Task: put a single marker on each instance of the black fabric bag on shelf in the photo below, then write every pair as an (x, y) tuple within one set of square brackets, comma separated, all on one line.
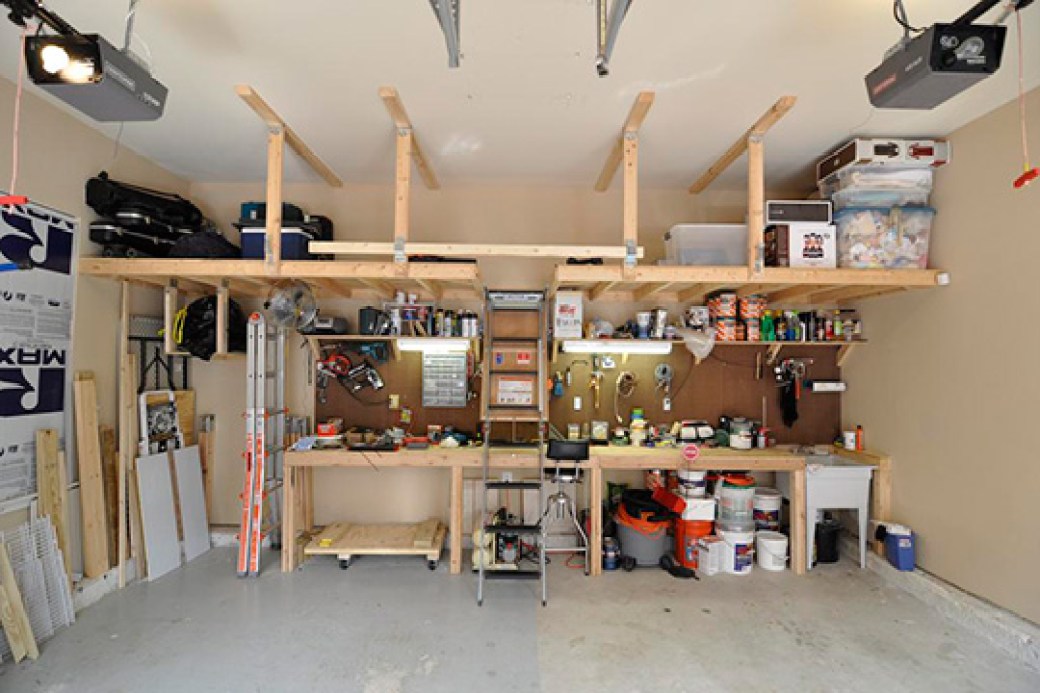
[(208, 243), (197, 332)]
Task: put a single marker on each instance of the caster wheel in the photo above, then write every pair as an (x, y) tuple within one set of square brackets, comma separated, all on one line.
[(432, 565), (628, 564), (344, 563)]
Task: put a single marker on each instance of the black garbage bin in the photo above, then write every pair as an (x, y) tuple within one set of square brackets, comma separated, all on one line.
[(827, 541)]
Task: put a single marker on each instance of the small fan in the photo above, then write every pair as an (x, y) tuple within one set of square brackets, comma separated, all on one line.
[(291, 305)]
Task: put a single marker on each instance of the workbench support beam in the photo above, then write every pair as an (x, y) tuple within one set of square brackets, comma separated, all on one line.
[(222, 319), (455, 526)]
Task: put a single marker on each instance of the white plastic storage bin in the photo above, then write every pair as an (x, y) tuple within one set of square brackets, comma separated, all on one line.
[(706, 244), (883, 238), (877, 178)]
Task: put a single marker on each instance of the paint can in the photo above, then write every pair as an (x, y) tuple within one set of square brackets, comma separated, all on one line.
[(771, 548), (611, 554), (693, 483), (739, 557), (767, 508)]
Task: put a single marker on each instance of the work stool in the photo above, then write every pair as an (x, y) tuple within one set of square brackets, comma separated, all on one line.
[(566, 456)]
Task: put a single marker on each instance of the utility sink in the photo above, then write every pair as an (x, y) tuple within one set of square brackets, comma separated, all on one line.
[(833, 482)]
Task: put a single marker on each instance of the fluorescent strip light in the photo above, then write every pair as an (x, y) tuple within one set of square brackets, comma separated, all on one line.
[(616, 346), (433, 345)]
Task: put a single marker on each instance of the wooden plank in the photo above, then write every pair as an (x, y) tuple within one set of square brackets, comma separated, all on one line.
[(222, 319), (192, 499), (799, 542), (110, 473), (630, 203), (184, 400), (49, 486), (207, 457), (636, 115), (289, 511), (425, 532), (138, 551), (792, 294), (395, 107), (474, 249), (432, 287), (15, 621), (158, 520), (599, 289), (171, 299), (272, 120), (699, 292), (91, 477), (873, 293), (761, 126), (124, 415), (403, 187), (333, 287), (456, 520), (596, 507), (649, 291), (756, 176), (273, 220), (844, 351)]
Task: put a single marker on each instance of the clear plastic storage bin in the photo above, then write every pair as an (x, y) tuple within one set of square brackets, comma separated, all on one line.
[(861, 197), (884, 238), (877, 178), (706, 244)]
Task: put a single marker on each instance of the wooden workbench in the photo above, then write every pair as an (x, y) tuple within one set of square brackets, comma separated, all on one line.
[(299, 468)]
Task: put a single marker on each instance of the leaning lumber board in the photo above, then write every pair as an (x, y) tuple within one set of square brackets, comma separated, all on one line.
[(12, 612), (91, 476), (425, 532), (185, 400), (110, 472), (49, 477)]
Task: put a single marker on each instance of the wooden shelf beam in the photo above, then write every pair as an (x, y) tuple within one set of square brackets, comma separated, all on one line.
[(770, 118), (473, 249), (399, 116), (640, 108), (275, 122)]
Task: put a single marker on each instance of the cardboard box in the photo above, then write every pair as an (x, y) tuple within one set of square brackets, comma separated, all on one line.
[(801, 245), (567, 315), (711, 552), (699, 509), (515, 390), (514, 358)]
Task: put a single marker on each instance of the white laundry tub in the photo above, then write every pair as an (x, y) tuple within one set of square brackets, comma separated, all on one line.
[(833, 482)]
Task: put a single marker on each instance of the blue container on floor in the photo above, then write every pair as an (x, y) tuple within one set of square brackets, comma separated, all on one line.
[(900, 550)]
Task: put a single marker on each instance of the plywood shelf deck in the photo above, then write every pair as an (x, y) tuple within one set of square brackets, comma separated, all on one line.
[(342, 279), (783, 286)]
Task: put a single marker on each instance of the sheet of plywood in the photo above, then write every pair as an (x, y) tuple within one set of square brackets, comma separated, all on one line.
[(91, 477), (425, 533), (12, 612), (381, 540), (110, 472), (192, 497), (158, 521), (185, 400)]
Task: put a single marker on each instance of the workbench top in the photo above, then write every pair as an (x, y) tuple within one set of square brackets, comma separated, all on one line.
[(605, 457)]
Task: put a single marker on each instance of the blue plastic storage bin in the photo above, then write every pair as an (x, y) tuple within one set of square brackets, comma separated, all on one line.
[(294, 242), (900, 550)]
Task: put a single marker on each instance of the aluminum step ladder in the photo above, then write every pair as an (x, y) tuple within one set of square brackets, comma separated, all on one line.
[(265, 443), (499, 307)]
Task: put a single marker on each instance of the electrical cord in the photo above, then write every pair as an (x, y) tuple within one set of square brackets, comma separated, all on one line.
[(624, 388), (899, 12), (17, 114)]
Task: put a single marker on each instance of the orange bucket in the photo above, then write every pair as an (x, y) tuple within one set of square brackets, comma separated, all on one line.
[(687, 533)]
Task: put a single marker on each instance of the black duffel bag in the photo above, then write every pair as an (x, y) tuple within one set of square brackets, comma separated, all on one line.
[(196, 327), (109, 198)]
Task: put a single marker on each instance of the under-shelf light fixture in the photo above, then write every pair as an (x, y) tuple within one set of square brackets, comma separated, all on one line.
[(616, 346), (433, 345)]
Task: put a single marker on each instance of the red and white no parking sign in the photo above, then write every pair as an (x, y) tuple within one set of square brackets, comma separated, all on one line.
[(691, 452)]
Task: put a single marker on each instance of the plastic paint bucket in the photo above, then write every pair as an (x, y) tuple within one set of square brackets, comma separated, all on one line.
[(740, 556), (736, 500), (767, 508), (693, 483), (687, 534), (771, 548)]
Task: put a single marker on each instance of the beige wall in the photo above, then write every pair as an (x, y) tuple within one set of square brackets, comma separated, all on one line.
[(58, 155), (949, 384), (491, 213)]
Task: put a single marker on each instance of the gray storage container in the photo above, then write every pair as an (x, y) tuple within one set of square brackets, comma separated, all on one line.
[(645, 549)]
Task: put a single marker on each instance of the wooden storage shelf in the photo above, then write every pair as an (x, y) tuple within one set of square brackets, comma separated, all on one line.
[(343, 279), (315, 340), (844, 348), (782, 285)]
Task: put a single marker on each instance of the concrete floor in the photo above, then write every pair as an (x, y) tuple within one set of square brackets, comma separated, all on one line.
[(388, 624)]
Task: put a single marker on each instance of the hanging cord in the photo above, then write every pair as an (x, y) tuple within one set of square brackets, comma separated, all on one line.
[(626, 385), (899, 12), (1029, 174)]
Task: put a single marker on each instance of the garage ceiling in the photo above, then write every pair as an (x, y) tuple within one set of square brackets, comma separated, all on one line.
[(526, 106)]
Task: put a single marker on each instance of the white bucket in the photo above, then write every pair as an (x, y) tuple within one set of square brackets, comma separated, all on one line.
[(740, 556), (736, 503), (771, 548), (767, 508), (693, 483)]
